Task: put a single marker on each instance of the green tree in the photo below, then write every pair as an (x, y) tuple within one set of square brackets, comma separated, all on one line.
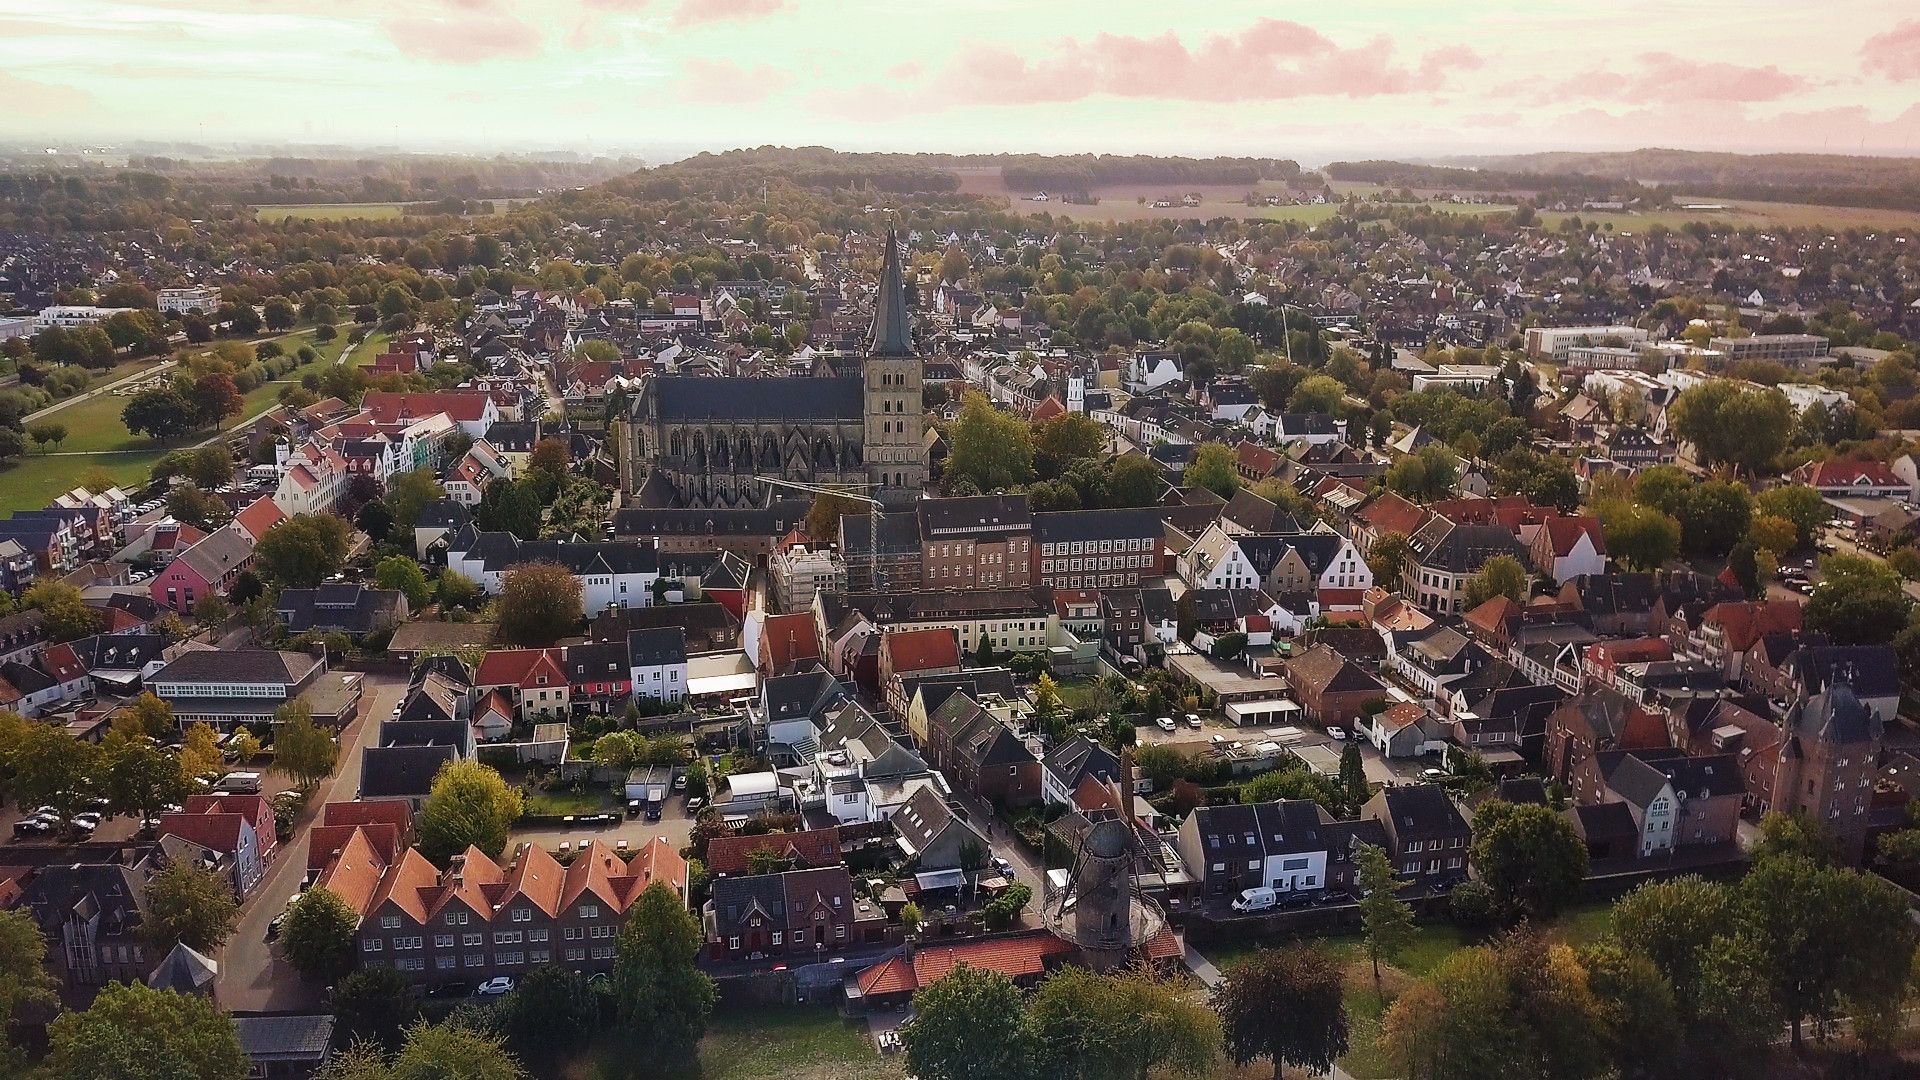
[(1797, 503), (1672, 923), (199, 752), (318, 934), (1425, 475), (1530, 857), (453, 1051), (1715, 516), (1772, 533), (1295, 783), (402, 573), (1501, 575), (1860, 601), (972, 1025), (24, 979), (48, 435), (1123, 1025), (1732, 424), (1353, 775), (303, 550), (408, 493), (1388, 559), (1285, 1005), (1819, 935), (164, 413), (469, 805), (1635, 1006), (1317, 394), (188, 904), (52, 768), (303, 750), (1520, 1007), (1064, 439), (141, 778), (1388, 920), (657, 981), (1639, 537), (133, 1032), (1134, 480), (539, 603), (64, 612), (454, 589), (547, 1015), (376, 1005), (1212, 468), (991, 450)]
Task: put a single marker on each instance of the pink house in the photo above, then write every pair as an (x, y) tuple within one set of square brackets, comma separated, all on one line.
[(239, 827), (205, 569)]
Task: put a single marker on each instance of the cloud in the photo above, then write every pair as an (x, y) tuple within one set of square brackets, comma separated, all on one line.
[(1896, 53), (457, 40), (720, 82), (1269, 59), (1661, 78), (35, 103), (696, 12)]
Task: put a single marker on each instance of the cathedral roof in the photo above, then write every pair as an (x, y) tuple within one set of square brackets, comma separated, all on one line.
[(892, 333), (684, 398)]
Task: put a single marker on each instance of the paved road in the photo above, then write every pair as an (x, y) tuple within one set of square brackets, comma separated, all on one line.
[(254, 977)]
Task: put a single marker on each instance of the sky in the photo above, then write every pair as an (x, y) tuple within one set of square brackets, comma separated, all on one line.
[(663, 77)]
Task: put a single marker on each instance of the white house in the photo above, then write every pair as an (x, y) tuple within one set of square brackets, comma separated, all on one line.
[(613, 574), (1149, 370), (658, 659)]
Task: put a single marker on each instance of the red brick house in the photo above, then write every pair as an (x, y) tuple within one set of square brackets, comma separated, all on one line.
[(1331, 689)]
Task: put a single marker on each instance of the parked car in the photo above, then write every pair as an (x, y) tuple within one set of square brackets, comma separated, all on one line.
[(1003, 867), (1165, 723), (1337, 734), (1193, 721), (694, 804), (30, 828), (1433, 774), (499, 984), (1256, 900)]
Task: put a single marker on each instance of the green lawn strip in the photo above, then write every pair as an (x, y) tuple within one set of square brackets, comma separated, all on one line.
[(795, 1043), (330, 211), (561, 803), (369, 350), (32, 482)]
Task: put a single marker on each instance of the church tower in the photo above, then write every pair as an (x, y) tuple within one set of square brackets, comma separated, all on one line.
[(896, 449)]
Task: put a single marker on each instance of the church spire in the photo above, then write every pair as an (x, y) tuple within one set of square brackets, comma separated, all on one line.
[(892, 333)]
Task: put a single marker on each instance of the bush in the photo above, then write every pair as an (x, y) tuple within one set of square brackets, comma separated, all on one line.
[(1000, 914), (1471, 905)]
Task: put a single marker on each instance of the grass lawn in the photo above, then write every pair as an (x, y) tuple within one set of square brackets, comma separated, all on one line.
[(564, 801), (367, 351), (331, 211), (33, 481), (772, 1043), (1433, 942)]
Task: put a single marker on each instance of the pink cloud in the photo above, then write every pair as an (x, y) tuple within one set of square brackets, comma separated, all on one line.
[(1271, 58), (695, 12), (711, 82), (1663, 78), (910, 69), (1896, 53), (455, 40)]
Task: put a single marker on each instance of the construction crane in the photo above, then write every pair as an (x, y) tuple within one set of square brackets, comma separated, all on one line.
[(873, 517)]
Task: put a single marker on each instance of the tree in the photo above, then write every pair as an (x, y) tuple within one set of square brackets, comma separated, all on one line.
[(164, 413), (1731, 424), (1388, 558), (1134, 481), (455, 589), (64, 612), (823, 517), (1212, 468), (1672, 923), (470, 804), (1860, 601), (1818, 935), (1294, 783), (1520, 1007), (409, 493), (303, 550), (539, 603), (1424, 475), (1530, 857), (141, 778), (453, 1050), (547, 1015), (303, 750), (1122, 1025), (1501, 575), (513, 506), (1388, 920), (657, 981), (377, 1005), (991, 450), (318, 934), (188, 503), (209, 466), (53, 768), (1772, 533), (550, 456), (971, 1025), (1803, 506), (199, 752), (1715, 515), (1905, 561), (1641, 1032), (279, 314), (403, 574), (188, 904), (1061, 440), (1353, 775), (24, 979), (147, 715), (48, 435), (133, 1032), (216, 397), (1640, 537), (1285, 1005)]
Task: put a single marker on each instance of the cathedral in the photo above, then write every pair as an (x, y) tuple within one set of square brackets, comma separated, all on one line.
[(707, 439)]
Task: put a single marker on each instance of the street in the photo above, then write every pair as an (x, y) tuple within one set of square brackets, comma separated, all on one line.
[(253, 976)]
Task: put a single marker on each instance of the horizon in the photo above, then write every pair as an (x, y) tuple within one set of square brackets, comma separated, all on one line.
[(664, 79)]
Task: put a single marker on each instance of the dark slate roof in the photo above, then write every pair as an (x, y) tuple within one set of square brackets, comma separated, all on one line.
[(1603, 822), (514, 436), (770, 521), (985, 516), (892, 333), (119, 652), (743, 400), (736, 898), (401, 771), (1065, 526), (237, 666), (443, 514), (284, 1038), (657, 646), (596, 661), (1079, 757), (1463, 548), (809, 693), (350, 608), (1423, 810), (1257, 515), (1835, 715), (1872, 670), (114, 893)]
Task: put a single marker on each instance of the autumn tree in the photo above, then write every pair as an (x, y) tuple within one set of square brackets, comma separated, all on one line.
[(991, 450), (64, 612), (188, 904), (303, 750), (470, 804), (303, 550), (539, 603), (1288, 1006)]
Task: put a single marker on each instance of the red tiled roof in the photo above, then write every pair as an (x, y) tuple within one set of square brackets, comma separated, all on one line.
[(814, 847), (460, 405), (325, 842), (1256, 459), (259, 516), (921, 650), (519, 668), (357, 871), (1565, 531), (1832, 474), (1016, 957), (395, 812), (1744, 621), (1391, 513), (786, 640)]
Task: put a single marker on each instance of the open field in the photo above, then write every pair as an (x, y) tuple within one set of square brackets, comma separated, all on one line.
[(370, 349), (1433, 942), (376, 211), (97, 437), (772, 1043)]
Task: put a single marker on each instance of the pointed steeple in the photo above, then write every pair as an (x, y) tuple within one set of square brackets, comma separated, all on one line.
[(892, 333)]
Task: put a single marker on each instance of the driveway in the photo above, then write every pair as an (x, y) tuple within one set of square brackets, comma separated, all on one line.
[(254, 977)]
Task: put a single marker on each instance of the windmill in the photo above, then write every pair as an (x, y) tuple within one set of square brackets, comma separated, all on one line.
[(1099, 906)]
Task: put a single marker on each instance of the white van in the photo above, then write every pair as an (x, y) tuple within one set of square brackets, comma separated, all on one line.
[(239, 783), (1256, 900)]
